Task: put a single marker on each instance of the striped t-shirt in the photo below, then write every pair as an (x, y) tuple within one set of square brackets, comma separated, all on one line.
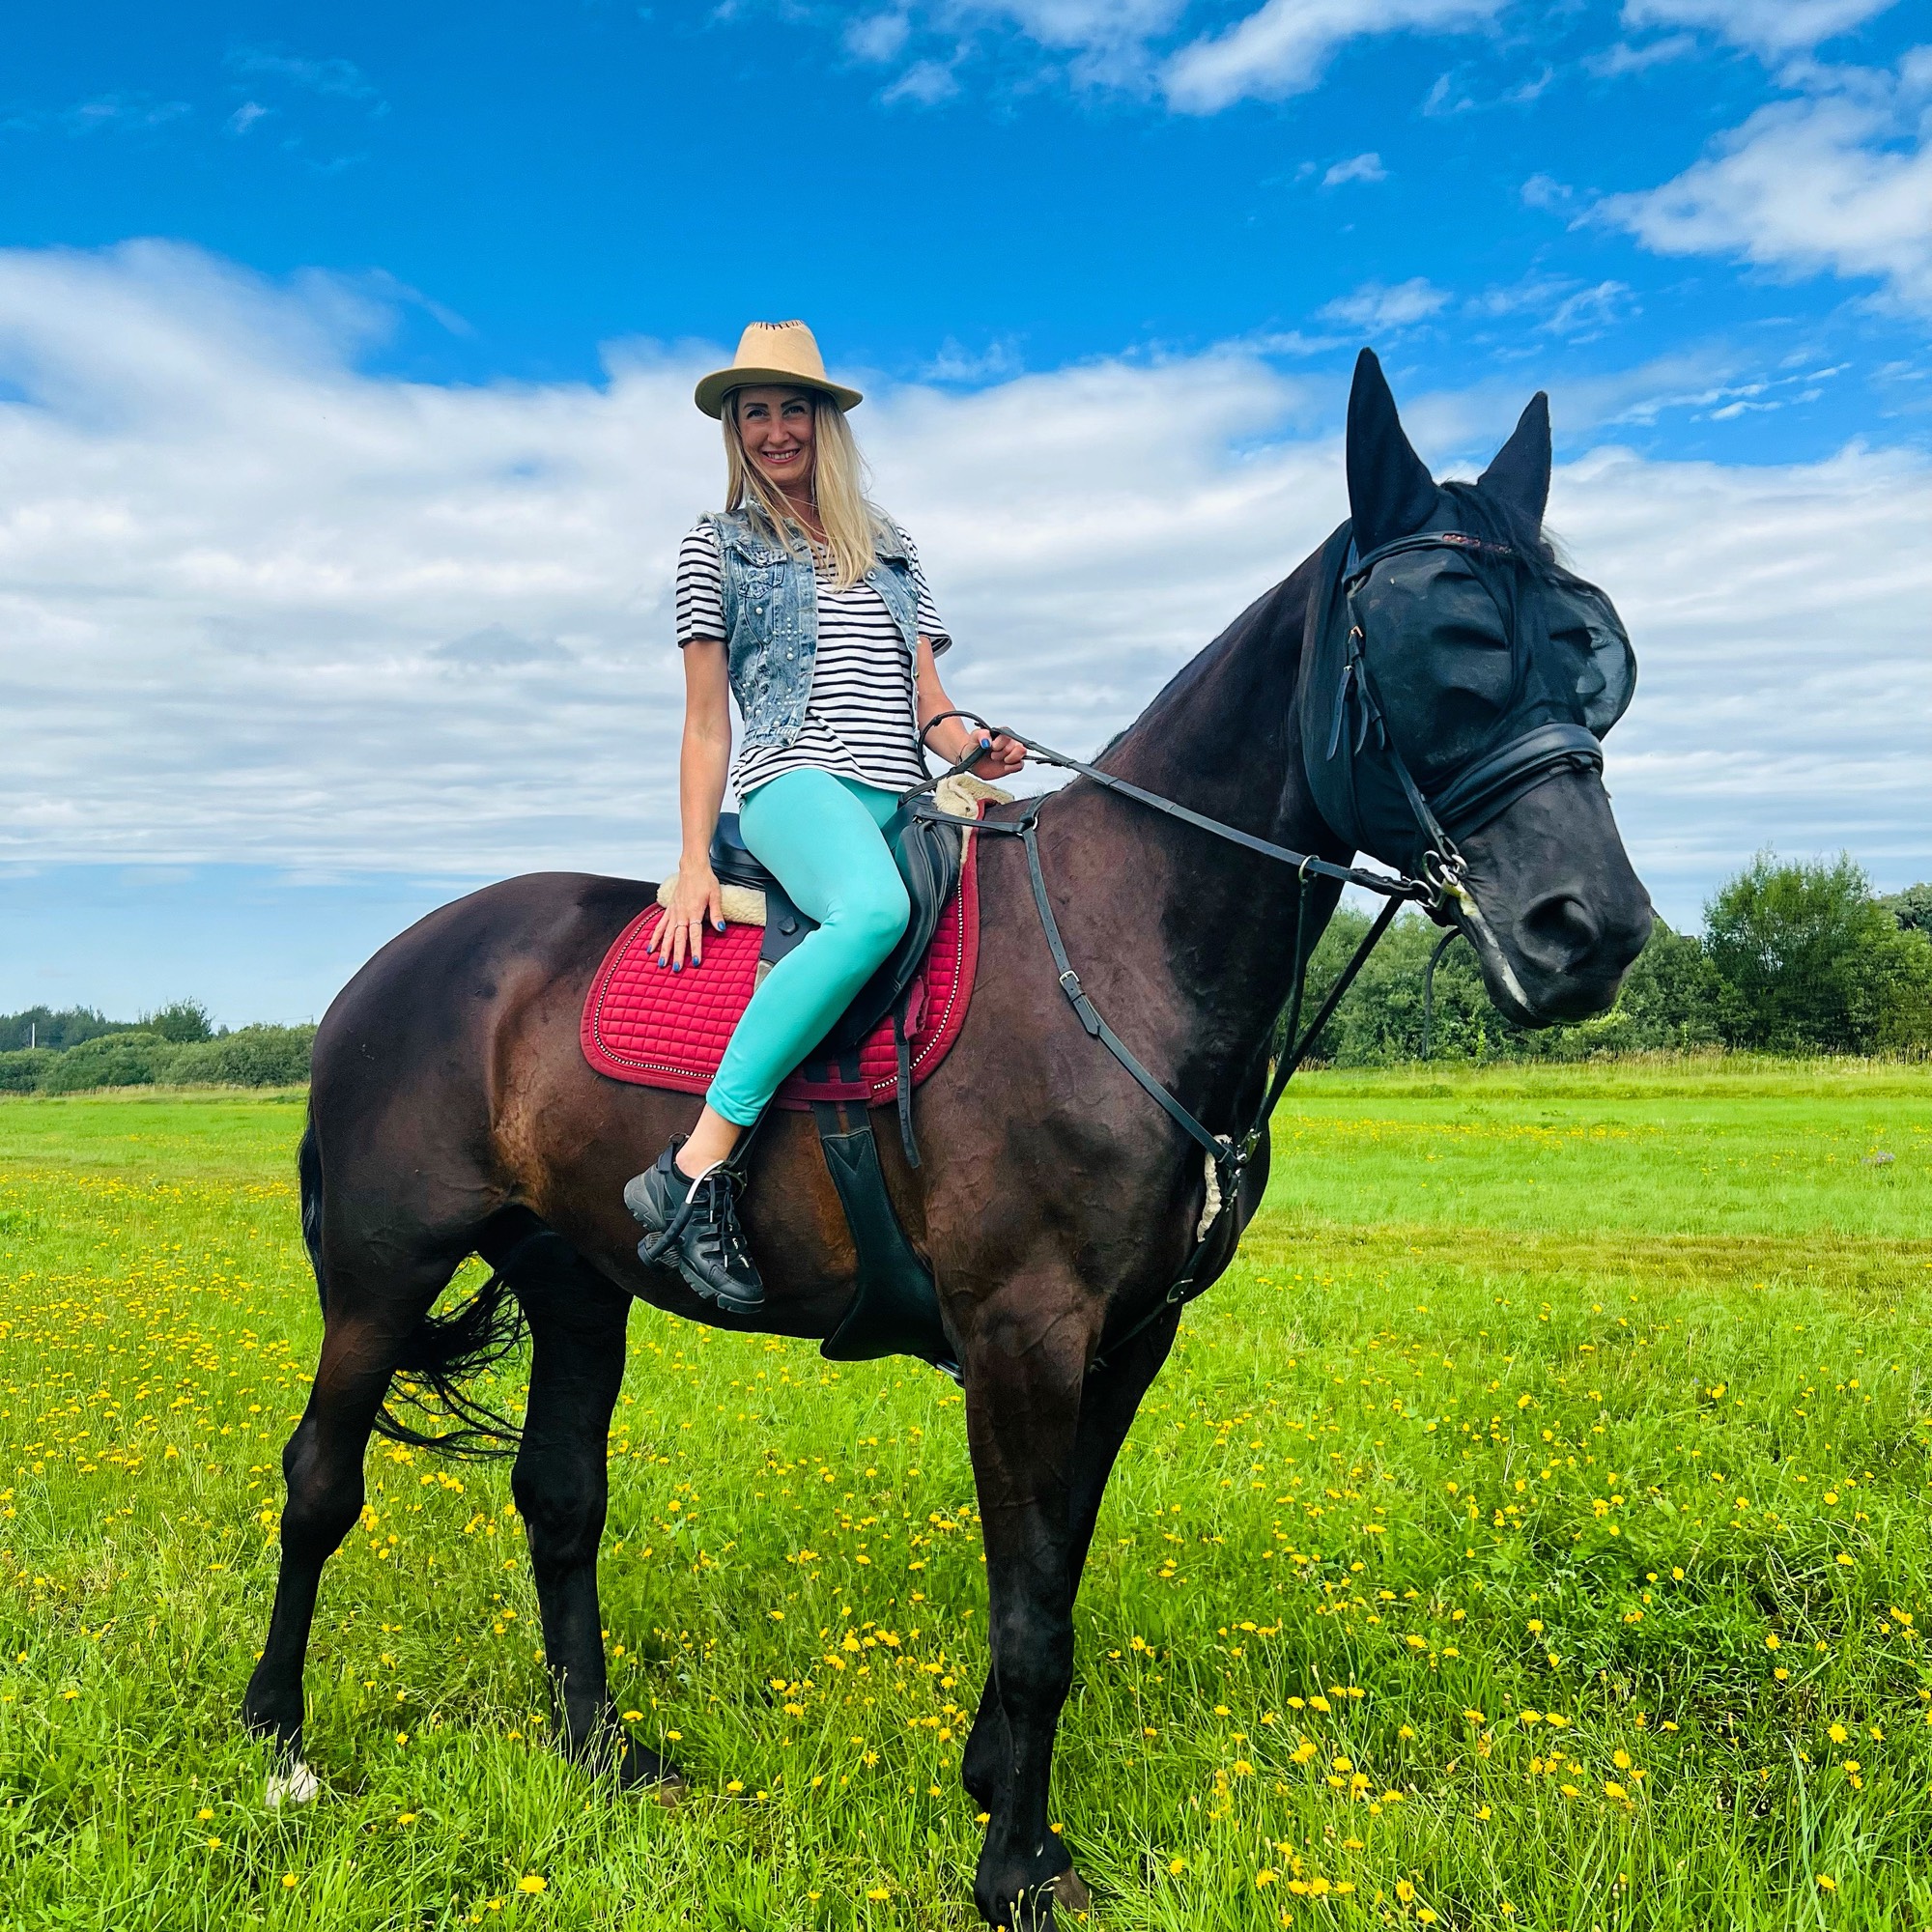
[(860, 720)]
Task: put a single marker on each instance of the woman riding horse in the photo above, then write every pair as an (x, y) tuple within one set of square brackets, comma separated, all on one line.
[(806, 604)]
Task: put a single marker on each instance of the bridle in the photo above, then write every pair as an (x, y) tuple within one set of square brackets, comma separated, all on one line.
[(1493, 778)]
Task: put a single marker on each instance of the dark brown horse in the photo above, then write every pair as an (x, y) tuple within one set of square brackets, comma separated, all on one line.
[(452, 1114)]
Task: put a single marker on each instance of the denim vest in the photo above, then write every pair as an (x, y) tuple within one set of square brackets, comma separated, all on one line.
[(771, 621)]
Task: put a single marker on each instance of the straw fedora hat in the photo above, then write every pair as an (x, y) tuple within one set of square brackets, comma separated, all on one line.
[(774, 351)]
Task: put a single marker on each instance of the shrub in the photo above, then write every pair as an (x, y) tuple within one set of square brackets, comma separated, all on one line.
[(1813, 962), (182, 1023), (114, 1060), (256, 1056), (1912, 908), (22, 1071)]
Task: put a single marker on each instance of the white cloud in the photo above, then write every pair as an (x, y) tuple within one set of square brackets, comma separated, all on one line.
[(342, 78), (1080, 23), (1363, 168), (1279, 48), (259, 606), (1283, 47), (1784, 698), (1107, 40), (926, 82), (879, 37), (1840, 183), (1771, 26), (1559, 304), (1376, 308), (1622, 58)]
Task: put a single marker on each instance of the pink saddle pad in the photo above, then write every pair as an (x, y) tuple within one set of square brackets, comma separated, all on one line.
[(651, 1027)]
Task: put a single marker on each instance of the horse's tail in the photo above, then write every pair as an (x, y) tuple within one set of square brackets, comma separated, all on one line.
[(309, 1178), (443, 1350)]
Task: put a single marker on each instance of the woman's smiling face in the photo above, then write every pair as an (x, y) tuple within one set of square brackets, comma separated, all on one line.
[(775, 425)]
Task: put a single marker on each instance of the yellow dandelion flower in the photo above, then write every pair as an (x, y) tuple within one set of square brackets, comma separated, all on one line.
[(531, 1881), (1621, 1759), (1837, 1733), (288, 1880), (877, 1894), (1827, 1883), (1175, 1867)]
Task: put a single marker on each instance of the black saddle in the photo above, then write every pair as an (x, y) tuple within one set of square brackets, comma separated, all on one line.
[(895, 1307), (928, 854)]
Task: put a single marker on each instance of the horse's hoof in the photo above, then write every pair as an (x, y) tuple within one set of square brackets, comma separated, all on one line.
[(1069, 1890), (297, 1785)]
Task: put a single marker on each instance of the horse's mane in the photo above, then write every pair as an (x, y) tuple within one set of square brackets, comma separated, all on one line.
[(1174, 694)]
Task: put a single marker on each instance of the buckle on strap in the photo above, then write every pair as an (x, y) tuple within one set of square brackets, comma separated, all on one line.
[(1088, 1013)]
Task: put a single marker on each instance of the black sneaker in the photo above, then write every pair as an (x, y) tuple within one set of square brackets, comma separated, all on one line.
[(693, 1228)]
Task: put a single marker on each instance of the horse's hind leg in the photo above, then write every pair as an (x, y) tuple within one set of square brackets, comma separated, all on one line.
[(562, 1484), (364, 1339)]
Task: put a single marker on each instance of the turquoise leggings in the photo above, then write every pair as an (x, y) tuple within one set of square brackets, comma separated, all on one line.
[(819, 834)]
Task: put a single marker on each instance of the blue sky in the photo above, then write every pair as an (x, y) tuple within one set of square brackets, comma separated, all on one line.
[(343, 449)]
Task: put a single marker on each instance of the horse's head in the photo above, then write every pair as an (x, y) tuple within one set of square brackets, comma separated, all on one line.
[(1456, 681)]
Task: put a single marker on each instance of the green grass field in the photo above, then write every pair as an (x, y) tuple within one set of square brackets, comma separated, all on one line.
[(1532, 1531)]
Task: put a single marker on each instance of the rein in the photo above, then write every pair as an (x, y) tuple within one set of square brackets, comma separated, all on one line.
[(1230, 1155)]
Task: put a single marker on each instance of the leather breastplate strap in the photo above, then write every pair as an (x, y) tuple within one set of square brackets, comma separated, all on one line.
[(1231, 1153)]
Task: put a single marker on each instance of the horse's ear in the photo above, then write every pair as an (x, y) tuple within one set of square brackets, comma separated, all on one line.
[(1520, 475), (1390, 489)]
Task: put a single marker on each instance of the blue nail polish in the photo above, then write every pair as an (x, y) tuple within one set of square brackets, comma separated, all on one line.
[(679, 967)]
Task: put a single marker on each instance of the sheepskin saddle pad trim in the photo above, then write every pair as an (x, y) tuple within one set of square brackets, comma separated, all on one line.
[(653, 1028)]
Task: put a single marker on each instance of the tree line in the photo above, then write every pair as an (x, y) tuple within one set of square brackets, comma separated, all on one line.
[(1793, 959), (71, 1051)]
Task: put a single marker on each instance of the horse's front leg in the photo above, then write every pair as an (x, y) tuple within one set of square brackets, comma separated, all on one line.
[(1025, 1362), (562, 1484), (1110, 1399)]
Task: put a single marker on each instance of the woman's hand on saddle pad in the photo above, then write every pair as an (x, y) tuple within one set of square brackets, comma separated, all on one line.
[(696, 900)]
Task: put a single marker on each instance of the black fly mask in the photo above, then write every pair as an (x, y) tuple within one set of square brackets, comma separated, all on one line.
[(1451, 666)]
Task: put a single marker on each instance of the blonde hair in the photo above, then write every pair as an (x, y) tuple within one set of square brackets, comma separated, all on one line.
[(853, 524)]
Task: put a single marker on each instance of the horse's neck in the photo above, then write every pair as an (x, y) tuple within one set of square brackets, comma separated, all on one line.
[(1223, 740)]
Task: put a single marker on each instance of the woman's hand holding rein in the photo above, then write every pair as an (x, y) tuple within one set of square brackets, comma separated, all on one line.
[(1001, 757)]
